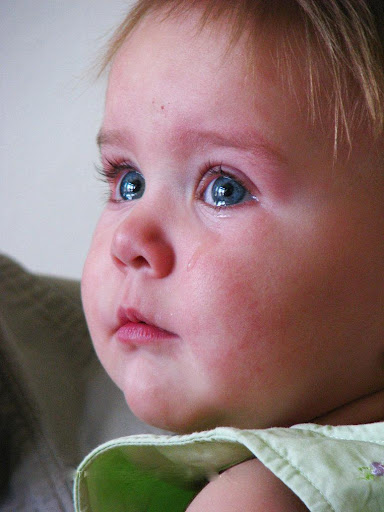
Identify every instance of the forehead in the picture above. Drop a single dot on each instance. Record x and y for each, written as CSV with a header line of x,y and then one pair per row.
x,y
167,49
170,78
261,41
163,50
178,67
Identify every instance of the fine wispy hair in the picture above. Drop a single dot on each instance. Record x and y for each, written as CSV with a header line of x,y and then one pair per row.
x,y
337,44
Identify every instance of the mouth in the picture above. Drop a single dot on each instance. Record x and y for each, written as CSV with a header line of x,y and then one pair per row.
x,y
135,329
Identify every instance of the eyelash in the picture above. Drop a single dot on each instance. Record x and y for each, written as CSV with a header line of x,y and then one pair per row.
x,y
112,169
109,172
213,170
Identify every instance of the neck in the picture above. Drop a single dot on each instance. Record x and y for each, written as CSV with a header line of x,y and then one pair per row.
x,y
367,409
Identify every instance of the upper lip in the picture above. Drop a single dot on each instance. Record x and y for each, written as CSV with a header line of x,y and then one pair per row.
x,y
126,315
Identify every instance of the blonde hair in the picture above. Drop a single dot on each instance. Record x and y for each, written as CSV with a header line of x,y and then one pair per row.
x,y
345,37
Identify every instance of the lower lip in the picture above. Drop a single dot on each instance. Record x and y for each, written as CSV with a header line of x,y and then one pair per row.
x,y
133,333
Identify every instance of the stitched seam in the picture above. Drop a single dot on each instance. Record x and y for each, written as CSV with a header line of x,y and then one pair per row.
x,y
181,442
140,440
137,441
299,471
339,438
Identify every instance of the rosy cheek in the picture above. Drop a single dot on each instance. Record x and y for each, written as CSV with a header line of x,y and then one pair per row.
x,y
96,267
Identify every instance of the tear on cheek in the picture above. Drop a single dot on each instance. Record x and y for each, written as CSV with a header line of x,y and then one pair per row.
x,y
195,258
202,251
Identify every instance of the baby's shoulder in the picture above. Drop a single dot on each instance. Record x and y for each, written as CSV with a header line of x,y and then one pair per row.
x,y
248,486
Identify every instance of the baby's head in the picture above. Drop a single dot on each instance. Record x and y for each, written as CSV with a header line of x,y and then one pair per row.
x,y
236,276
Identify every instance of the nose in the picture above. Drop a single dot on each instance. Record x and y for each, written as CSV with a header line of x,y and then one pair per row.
x,y
140,243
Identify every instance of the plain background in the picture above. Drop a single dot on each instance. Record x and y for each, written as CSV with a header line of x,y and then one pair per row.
x,y
51,110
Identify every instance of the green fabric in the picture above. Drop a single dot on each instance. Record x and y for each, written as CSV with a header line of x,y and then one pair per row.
x,y
116,472
327,467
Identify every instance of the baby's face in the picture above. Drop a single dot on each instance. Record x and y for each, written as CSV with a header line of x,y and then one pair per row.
x,y
255,262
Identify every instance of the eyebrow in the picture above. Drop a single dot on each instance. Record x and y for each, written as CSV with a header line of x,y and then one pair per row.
x,y
249,140
110,137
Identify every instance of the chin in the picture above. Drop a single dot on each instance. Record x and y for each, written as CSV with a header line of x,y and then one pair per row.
x,y
177,418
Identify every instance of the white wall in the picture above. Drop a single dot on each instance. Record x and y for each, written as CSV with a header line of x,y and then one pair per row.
x,y
50,112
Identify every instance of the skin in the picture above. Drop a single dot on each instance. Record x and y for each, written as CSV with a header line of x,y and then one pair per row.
x,y
275,304
235,491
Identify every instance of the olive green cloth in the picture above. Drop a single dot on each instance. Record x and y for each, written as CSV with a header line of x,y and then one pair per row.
x,y
331,469
56,402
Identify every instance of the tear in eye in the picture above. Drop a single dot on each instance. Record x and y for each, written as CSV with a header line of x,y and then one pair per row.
x,y
131,186
225,191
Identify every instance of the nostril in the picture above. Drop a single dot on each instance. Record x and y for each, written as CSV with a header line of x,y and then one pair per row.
x,y
139,262
117,261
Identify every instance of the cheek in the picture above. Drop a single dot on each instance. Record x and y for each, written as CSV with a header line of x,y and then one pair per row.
x,y
226,317
98,292
251,301
94,283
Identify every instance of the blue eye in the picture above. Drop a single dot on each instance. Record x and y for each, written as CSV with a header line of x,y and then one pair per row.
x,y
132,186
225,191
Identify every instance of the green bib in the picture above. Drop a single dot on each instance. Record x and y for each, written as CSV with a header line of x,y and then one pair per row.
x,y
331,469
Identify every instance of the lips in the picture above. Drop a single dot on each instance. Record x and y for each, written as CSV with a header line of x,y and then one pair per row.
x,y
135,329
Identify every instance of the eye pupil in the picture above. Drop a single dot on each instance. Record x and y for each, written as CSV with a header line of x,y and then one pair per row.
x,y
227,192
132,186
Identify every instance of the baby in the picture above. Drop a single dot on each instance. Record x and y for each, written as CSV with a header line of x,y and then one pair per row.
x,y
236,276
